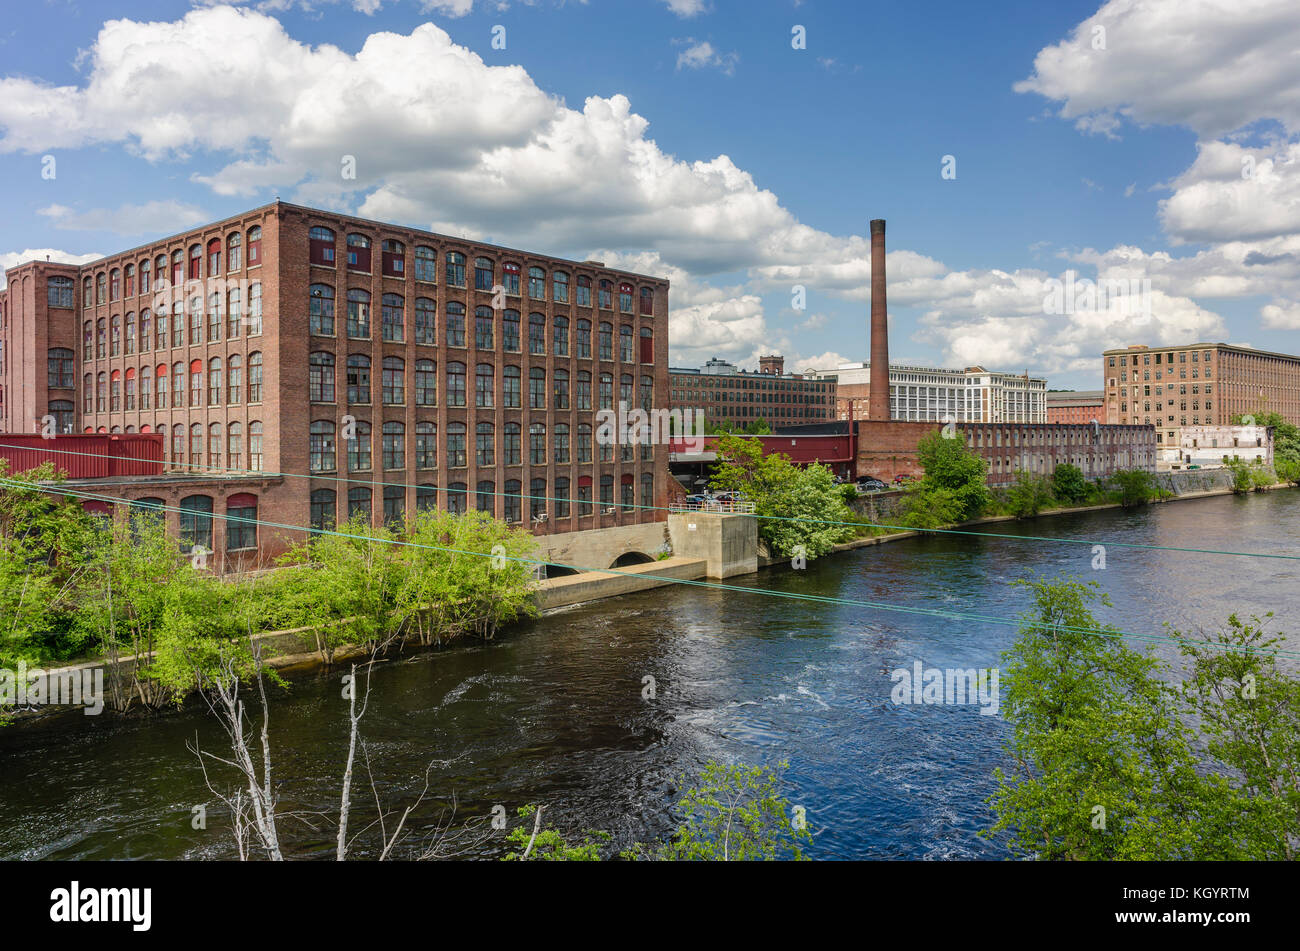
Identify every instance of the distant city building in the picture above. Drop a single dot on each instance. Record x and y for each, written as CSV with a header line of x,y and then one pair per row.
x,y
1098,451
1078,407
930,394
728,394
1200,384
1212,447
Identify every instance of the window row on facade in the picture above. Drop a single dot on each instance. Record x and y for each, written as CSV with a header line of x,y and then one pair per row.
x,y
488,273
201,261
224,319
195,383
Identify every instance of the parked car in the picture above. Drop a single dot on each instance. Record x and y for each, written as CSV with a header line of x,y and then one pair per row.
x,y
870,485
902,479
698,499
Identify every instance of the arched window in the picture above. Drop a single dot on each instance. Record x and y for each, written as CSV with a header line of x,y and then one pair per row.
x,y
241,522
537,334
235,391
115,336
455,269
560,287
455,324
359,314
607,491
196,522
214,257
128,274
426,497
255,377
560,337
510,447
235,445
455,384
511,393
196,320
146,388
647,345
537,444
457,455
483,323
537,499
625,298
146,330
584,443
321,446
394,381
130,388
359,253
561,389
561,497
358,378
87,394
115,285
626,492
485,445
561,441
647,490
393,317
606,300
178,446
178,323
101,393
60,361
160,384
584,339
359,504
484,271
625,389
87,341
101,288
426,264
512,501
320,310
426,445
101,339
510,278
320,379
196,382
359,448
320,248
115,391
59,291
487,497
394,506
393,258
255,446
196,446
64,412
484,385
215,441
647,302
426,383
510,330
394,445
607,341
128,342
178,385
254,246
87,299
324,506
254,308
625,344
234,247
426,321
537,283
145,277
196,262
606,391
214,316
536,388
160,327
216,376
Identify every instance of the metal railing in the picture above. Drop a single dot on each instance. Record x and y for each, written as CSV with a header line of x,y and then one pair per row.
x,y
713,505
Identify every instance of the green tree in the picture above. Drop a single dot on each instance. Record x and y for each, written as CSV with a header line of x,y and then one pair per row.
x,y
796,506
1286,435
953,488
1029,494
1134,487
533,841
1068,484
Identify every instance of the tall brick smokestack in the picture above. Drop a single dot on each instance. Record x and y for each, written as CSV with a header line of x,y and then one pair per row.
x,y
879,395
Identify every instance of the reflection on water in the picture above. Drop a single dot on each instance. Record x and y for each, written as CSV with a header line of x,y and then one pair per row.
x,y
553,713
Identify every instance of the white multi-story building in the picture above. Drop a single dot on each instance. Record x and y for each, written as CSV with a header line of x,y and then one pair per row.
x,y
1210,446
931,394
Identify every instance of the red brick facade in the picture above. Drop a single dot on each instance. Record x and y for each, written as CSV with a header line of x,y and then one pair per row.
x,y
604,340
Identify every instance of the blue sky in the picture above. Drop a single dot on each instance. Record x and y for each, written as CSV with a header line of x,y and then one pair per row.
x,y
689,138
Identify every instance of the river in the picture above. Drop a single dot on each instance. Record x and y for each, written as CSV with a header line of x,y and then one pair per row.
x,y
553,711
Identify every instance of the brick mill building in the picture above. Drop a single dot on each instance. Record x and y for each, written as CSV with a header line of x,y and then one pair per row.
x,y
727,394
1200,384
1078,407
465,375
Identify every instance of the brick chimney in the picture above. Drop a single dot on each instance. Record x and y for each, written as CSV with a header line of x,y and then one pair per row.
x,y
878,408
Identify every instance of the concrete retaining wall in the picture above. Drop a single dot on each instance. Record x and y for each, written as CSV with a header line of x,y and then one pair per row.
x,y
601,547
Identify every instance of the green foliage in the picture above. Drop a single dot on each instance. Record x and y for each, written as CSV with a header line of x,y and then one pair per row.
x,y
1286,435
1250,477
1288,470
1069,485
1134,487
755,427
549,845
796,506
953,488
735,813
1029,494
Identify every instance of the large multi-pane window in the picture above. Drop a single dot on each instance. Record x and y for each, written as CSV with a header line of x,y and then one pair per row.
x,y
196,383
128,342
101,340
510,388
626,490
537,388
457,454
483,272
60,362
234,252
321,446
359,504
146,330
255,377
216,376
196,446
394,437
560,338
214,318
513,506
647,302
359,253
560,287
178,385
606,341
485,445
606,295
606,391
537,444
487,497
584,291
392,257
537,498
426,445
320,246
324,504
254,308
320,377
536,334
196,320
235,445
561,389
426,383
215,442
625,344
625,298
394,506
426,321
510,279
510,446
584,339
584,442
510,331
146,387
561,497
393,317
584,390
536,283
178,324
455,269
59,291
561,441
394,381
607,491
455,384
426,498
320,310
483,320
358,378
359,448
358,314
484,385
196,522
584,495
426,264
455,324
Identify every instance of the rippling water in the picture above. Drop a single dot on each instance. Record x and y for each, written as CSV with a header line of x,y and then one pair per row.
x,y
553,713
